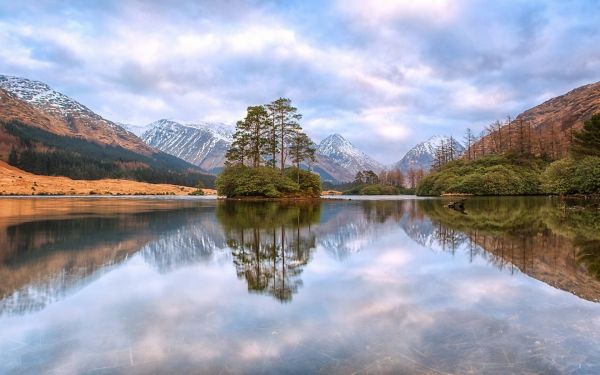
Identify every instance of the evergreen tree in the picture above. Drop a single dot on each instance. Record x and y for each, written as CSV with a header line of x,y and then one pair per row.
x,y
359,178
301,148
286,124
586,142
13,157
238,151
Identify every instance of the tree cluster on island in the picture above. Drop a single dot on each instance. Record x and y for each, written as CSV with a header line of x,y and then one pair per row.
x,y
267,153
390,182
513,158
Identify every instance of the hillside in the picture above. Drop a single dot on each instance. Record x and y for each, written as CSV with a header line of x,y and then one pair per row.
x,y
14,181
51,134
203,144
70,118
544,130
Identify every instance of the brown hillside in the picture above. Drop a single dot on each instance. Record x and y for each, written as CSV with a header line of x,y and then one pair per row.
x,y
14,181
85,124
544,130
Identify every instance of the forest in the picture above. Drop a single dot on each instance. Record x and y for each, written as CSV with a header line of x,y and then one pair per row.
x,y
45,153
267,155
515,159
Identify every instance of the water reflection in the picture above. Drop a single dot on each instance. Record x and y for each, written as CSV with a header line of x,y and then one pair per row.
x,y
404,286
270,243
552,241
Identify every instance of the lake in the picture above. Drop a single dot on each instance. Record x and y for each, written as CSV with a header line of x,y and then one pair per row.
x,y
401,285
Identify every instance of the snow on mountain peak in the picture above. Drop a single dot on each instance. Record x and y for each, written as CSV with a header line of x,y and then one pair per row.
x,y
41,95
421,156
345,154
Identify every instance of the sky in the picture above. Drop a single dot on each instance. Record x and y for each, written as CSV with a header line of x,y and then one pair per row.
x,y
384,74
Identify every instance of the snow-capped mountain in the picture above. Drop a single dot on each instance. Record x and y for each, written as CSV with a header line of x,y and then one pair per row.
x,y
336,151
44,97
203,144
69,116
421,156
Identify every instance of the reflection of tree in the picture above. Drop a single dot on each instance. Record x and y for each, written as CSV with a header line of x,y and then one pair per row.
x,y
582,226
271,242
535,235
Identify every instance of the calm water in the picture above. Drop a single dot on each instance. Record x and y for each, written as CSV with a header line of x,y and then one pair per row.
x,y
393,286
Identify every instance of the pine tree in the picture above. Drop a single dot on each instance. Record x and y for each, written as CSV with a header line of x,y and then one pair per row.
x,y
238,151
13,157
286,125
301,148
359,178
586,142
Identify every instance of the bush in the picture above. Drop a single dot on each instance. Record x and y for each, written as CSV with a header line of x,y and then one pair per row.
x,y
491,175
242,181
309,183
570,176
377,189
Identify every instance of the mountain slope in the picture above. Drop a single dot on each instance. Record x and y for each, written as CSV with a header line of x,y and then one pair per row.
x,y
545,130
73,118
52,134
342,160
421,156
202,144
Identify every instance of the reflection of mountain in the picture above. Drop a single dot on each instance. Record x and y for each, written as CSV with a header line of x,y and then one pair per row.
x,y
530,235
53,247
189,244
49,257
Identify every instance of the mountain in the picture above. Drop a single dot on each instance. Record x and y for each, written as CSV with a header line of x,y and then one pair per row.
x,y
421,156
72,118
342,160
46,132
545,130
203,144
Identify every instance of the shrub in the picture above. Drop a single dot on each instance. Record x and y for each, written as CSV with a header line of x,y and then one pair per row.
x,y
242,181
491,175
570,176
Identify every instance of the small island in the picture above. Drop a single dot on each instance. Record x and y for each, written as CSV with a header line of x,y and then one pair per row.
x,y
267,156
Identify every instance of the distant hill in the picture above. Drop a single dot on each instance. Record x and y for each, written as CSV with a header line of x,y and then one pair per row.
x,y
544,130
422,155
49,133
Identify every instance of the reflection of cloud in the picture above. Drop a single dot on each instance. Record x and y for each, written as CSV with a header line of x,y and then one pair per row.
x,y
382,309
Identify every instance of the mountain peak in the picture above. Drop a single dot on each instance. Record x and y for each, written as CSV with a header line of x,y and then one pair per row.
x,y
338,149
421,155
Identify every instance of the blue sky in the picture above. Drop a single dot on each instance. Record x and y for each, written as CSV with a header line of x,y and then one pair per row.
x,y
385,74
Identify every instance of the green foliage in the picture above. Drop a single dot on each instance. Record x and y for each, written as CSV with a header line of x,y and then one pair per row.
x,y
587,141
198,190
376,189
309,183
490,175
266,131
242,181
573,176
79,159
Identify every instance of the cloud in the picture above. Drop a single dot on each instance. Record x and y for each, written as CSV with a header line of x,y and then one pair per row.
x,y
385,74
